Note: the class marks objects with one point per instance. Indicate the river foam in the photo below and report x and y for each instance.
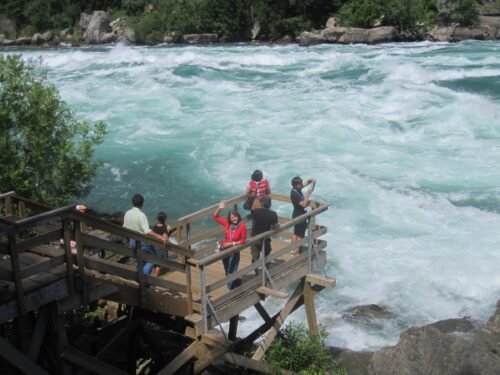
(403, 138)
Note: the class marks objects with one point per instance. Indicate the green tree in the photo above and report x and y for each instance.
(408, 14)
(466, 12)
(45, 153)
(360, 13)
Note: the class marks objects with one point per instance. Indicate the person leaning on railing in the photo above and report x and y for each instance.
(136, 220)
(235, 233)
(300, 203)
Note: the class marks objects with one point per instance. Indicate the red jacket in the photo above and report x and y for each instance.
(262, 187)
(238, 235)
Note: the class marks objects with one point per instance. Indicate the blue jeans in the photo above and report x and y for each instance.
(231, 264)
(147, 248)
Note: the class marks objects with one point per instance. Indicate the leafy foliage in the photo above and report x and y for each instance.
(466, 12)
(404, 14)
(45, 152)
(295, 350)
(152, 19)
(360, 13)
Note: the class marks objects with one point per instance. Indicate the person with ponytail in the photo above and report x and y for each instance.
(235, 233)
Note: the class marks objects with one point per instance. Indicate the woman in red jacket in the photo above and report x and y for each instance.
(235, 233)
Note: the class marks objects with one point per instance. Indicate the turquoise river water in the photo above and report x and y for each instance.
(404, 140)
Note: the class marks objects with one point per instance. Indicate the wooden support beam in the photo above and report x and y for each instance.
(179, 361)
(90, 363)
(284, 313)
(272, 292)
(62, 339)
(233, 327)
(310, 311)
(214, 338)
(262, 312)
(156, 349)
(38, 334)
(208, 357)
(19, 360)
(325, 282)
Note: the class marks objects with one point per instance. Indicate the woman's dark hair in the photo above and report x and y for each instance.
(234, 212)
(162, 217)
(296, 181)
(257, 175)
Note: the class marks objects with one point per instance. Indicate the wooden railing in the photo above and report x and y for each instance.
(205, 256)
(195, 250)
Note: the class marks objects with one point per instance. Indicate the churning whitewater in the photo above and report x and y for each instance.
(404, 140)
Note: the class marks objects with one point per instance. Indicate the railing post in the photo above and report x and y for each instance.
(66, 224)
(22, 209)
(188, 268)
(309, 244)
(188, 285)
(8, 206)
(140, 272)
(16, 269)
(81, 261)
(204, 304)
(263, 271)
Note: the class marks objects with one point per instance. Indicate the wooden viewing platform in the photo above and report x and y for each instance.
(41, 279)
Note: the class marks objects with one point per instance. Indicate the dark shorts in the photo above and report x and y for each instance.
(300, 229)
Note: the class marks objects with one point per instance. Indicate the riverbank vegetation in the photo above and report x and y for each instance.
(235, 19)
(45, 152)
(296, 350)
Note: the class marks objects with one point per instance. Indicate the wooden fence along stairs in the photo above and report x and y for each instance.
(41, 279)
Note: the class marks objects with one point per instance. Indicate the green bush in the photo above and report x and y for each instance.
(133, 7)
(28, 31)
(38, 14)
(45, 153)
(295, 350)
(466, 12)
(290, 26)
(408, 14)
(151, 27)
(403, 14)
(360, 13)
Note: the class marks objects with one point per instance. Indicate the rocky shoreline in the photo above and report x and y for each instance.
(447, 347)
(97, 29)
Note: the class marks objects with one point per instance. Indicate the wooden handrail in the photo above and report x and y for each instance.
(216, 257)
(32, 202)
(124, 232)
(207, 211)
(37, 219)
(8, 194)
